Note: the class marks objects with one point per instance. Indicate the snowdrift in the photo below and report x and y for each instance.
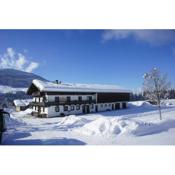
(140, 104)
(168, 102)
(112, 127)
(72, 121)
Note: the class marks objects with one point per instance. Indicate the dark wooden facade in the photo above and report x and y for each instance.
(112, 97)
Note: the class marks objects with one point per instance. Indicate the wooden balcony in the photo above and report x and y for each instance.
(54, 103)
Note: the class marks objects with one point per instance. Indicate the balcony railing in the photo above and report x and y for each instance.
(54, 103)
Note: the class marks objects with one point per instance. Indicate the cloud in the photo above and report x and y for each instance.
(32, 66)
(12, 60)
(153, 37)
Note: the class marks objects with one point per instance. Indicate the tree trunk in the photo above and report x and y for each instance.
(160, 112)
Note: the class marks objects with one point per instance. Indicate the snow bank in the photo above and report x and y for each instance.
(168, 102)
(109, 127)
(101, 127)
(73, 121)
(140, 104)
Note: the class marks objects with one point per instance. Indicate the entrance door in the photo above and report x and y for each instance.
(83, 107)
(117, 106)
(96, 108)
(124, 105)
(39, 111)
(86, 109)
(112, 106)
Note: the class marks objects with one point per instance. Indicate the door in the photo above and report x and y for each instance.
(117, 106)
(96, 108)
(83, 108)
(87, 109)
(124, 105)
(112, 106)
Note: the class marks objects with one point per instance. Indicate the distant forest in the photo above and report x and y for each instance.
(140, 96)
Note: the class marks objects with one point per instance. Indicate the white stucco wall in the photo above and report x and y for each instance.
(52, 113)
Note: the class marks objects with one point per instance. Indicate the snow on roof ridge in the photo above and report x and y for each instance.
(51, 86)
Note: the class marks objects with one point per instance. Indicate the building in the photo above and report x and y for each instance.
(52, 99)
(21, 104)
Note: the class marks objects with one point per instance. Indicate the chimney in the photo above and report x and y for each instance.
(57, 82)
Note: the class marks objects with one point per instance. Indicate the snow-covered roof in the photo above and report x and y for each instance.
(47, 86)
(22, 102)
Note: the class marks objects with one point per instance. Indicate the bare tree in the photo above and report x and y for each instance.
(155, 87)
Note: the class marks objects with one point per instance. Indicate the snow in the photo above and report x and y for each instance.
(168, 102)
(76, 87)
(137, 125)
(22, 102)
(8, 89)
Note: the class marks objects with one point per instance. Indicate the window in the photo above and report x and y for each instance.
(101, 105)
(72, 108)
(56, 99)
(68, 99)
(65, 108)
(90, 98)
(57, 109)
(105, 105)
(92, 106)
(43, 109)
(77, 107)
(109, 105)
(80, 98)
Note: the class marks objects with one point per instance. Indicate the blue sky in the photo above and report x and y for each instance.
(90, 56)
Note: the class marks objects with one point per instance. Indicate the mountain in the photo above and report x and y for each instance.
(15, 78)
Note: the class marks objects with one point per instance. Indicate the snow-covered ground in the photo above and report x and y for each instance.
(139, 124)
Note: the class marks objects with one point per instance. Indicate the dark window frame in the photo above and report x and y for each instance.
(72, 107)
(68, 99)
(89, 98)
(77, 107)
(80, 98)
(66, 108)
(57, 99)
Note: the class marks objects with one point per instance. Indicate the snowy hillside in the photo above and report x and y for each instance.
(139, 124)
(8, 89)
(16, 78)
